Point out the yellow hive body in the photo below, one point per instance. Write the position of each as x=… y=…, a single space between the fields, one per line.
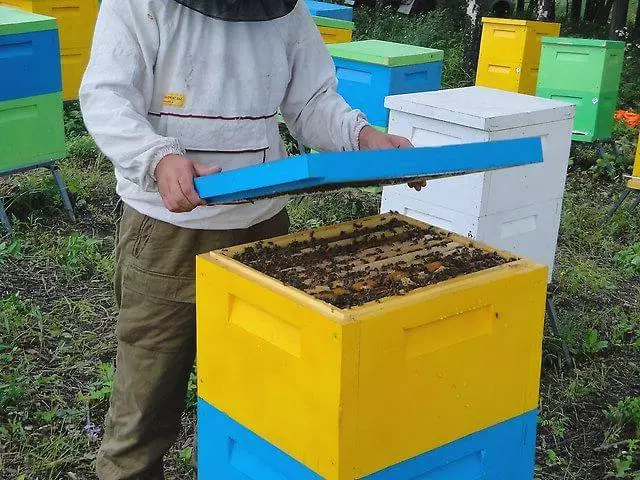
x=76 y=21
x=510 y=53
x=635 y=181
x=348 y=392
x=335 y=35
x=74 y=63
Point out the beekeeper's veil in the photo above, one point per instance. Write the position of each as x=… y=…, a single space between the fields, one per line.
x=241 y=10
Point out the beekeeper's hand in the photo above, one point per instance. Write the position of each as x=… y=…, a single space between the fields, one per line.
x=372 y=139
x=174 y=175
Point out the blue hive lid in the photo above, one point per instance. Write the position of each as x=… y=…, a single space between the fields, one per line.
x=335 y=170
x=331 y=10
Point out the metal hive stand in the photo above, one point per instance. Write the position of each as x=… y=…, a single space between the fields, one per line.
x=552 y=315
x=55 y=170
x=620 y=201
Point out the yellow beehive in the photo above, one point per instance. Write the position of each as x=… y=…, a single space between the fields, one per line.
x=348 y=392
x=334 y=30
x=76 y=21
x=510 y=53
x=335 y=35
x=634 y=182
x=74 y=63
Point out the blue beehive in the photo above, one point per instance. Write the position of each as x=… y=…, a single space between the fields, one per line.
x=505 y=451
x=370 y=70
x=29 y=55
x=330 y=10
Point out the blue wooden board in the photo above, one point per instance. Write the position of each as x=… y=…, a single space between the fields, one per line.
x=330 y=10
x=333 y=170
x=230 y=451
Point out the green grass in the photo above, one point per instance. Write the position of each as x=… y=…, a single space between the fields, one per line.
x=57 y=317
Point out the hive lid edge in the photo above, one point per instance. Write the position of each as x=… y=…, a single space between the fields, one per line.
x=583 y=42
x=379 y=52
x=14 y=21
x=519 y=22
x=333 y=22
x=438 y=106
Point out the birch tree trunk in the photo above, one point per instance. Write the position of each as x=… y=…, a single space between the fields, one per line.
x=576 y=11
x=546 y=11
x=472 y=33
x=619 y=19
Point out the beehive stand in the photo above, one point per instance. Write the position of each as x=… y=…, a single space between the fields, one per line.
x=64 y=195
x=309 y=173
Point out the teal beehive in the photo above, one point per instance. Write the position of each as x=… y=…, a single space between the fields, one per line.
x=587 y=73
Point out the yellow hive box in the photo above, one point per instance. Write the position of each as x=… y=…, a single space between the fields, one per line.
x=74 y=63
x=335 y=35
x=635 y=181
x=510 y=53
x=348 y=392
x=76 y=21
x=334 y=30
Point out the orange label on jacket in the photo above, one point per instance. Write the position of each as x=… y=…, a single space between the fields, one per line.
x=173 y=100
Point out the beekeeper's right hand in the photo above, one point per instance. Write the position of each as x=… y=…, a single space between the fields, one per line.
x=174 y=175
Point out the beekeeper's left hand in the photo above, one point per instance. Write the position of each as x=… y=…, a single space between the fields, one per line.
x=372 y=139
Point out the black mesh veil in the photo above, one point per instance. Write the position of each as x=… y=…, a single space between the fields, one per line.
x=241 y=10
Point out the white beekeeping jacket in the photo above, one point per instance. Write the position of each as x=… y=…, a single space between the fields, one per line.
x=164 y=79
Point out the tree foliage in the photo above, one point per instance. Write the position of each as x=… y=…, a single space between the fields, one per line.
x=592 y=15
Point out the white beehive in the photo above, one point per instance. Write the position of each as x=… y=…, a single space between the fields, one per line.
x=516 y=209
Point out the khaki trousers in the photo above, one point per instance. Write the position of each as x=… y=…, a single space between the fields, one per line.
x=155 y=294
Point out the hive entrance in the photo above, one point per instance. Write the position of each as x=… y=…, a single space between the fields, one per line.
x=367 y=262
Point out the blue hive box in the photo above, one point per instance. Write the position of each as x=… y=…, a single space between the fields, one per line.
x=330 y=10
x=370 y=70
x=505 y=451
x=333 y=170
x=29 y=55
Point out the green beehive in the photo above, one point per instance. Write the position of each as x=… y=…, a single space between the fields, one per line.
x=586 y=73
x=31 y=131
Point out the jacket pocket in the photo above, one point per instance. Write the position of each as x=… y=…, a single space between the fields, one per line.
x=143 y=235
x=133 y=232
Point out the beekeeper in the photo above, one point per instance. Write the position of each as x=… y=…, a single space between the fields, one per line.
x=177 y=89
